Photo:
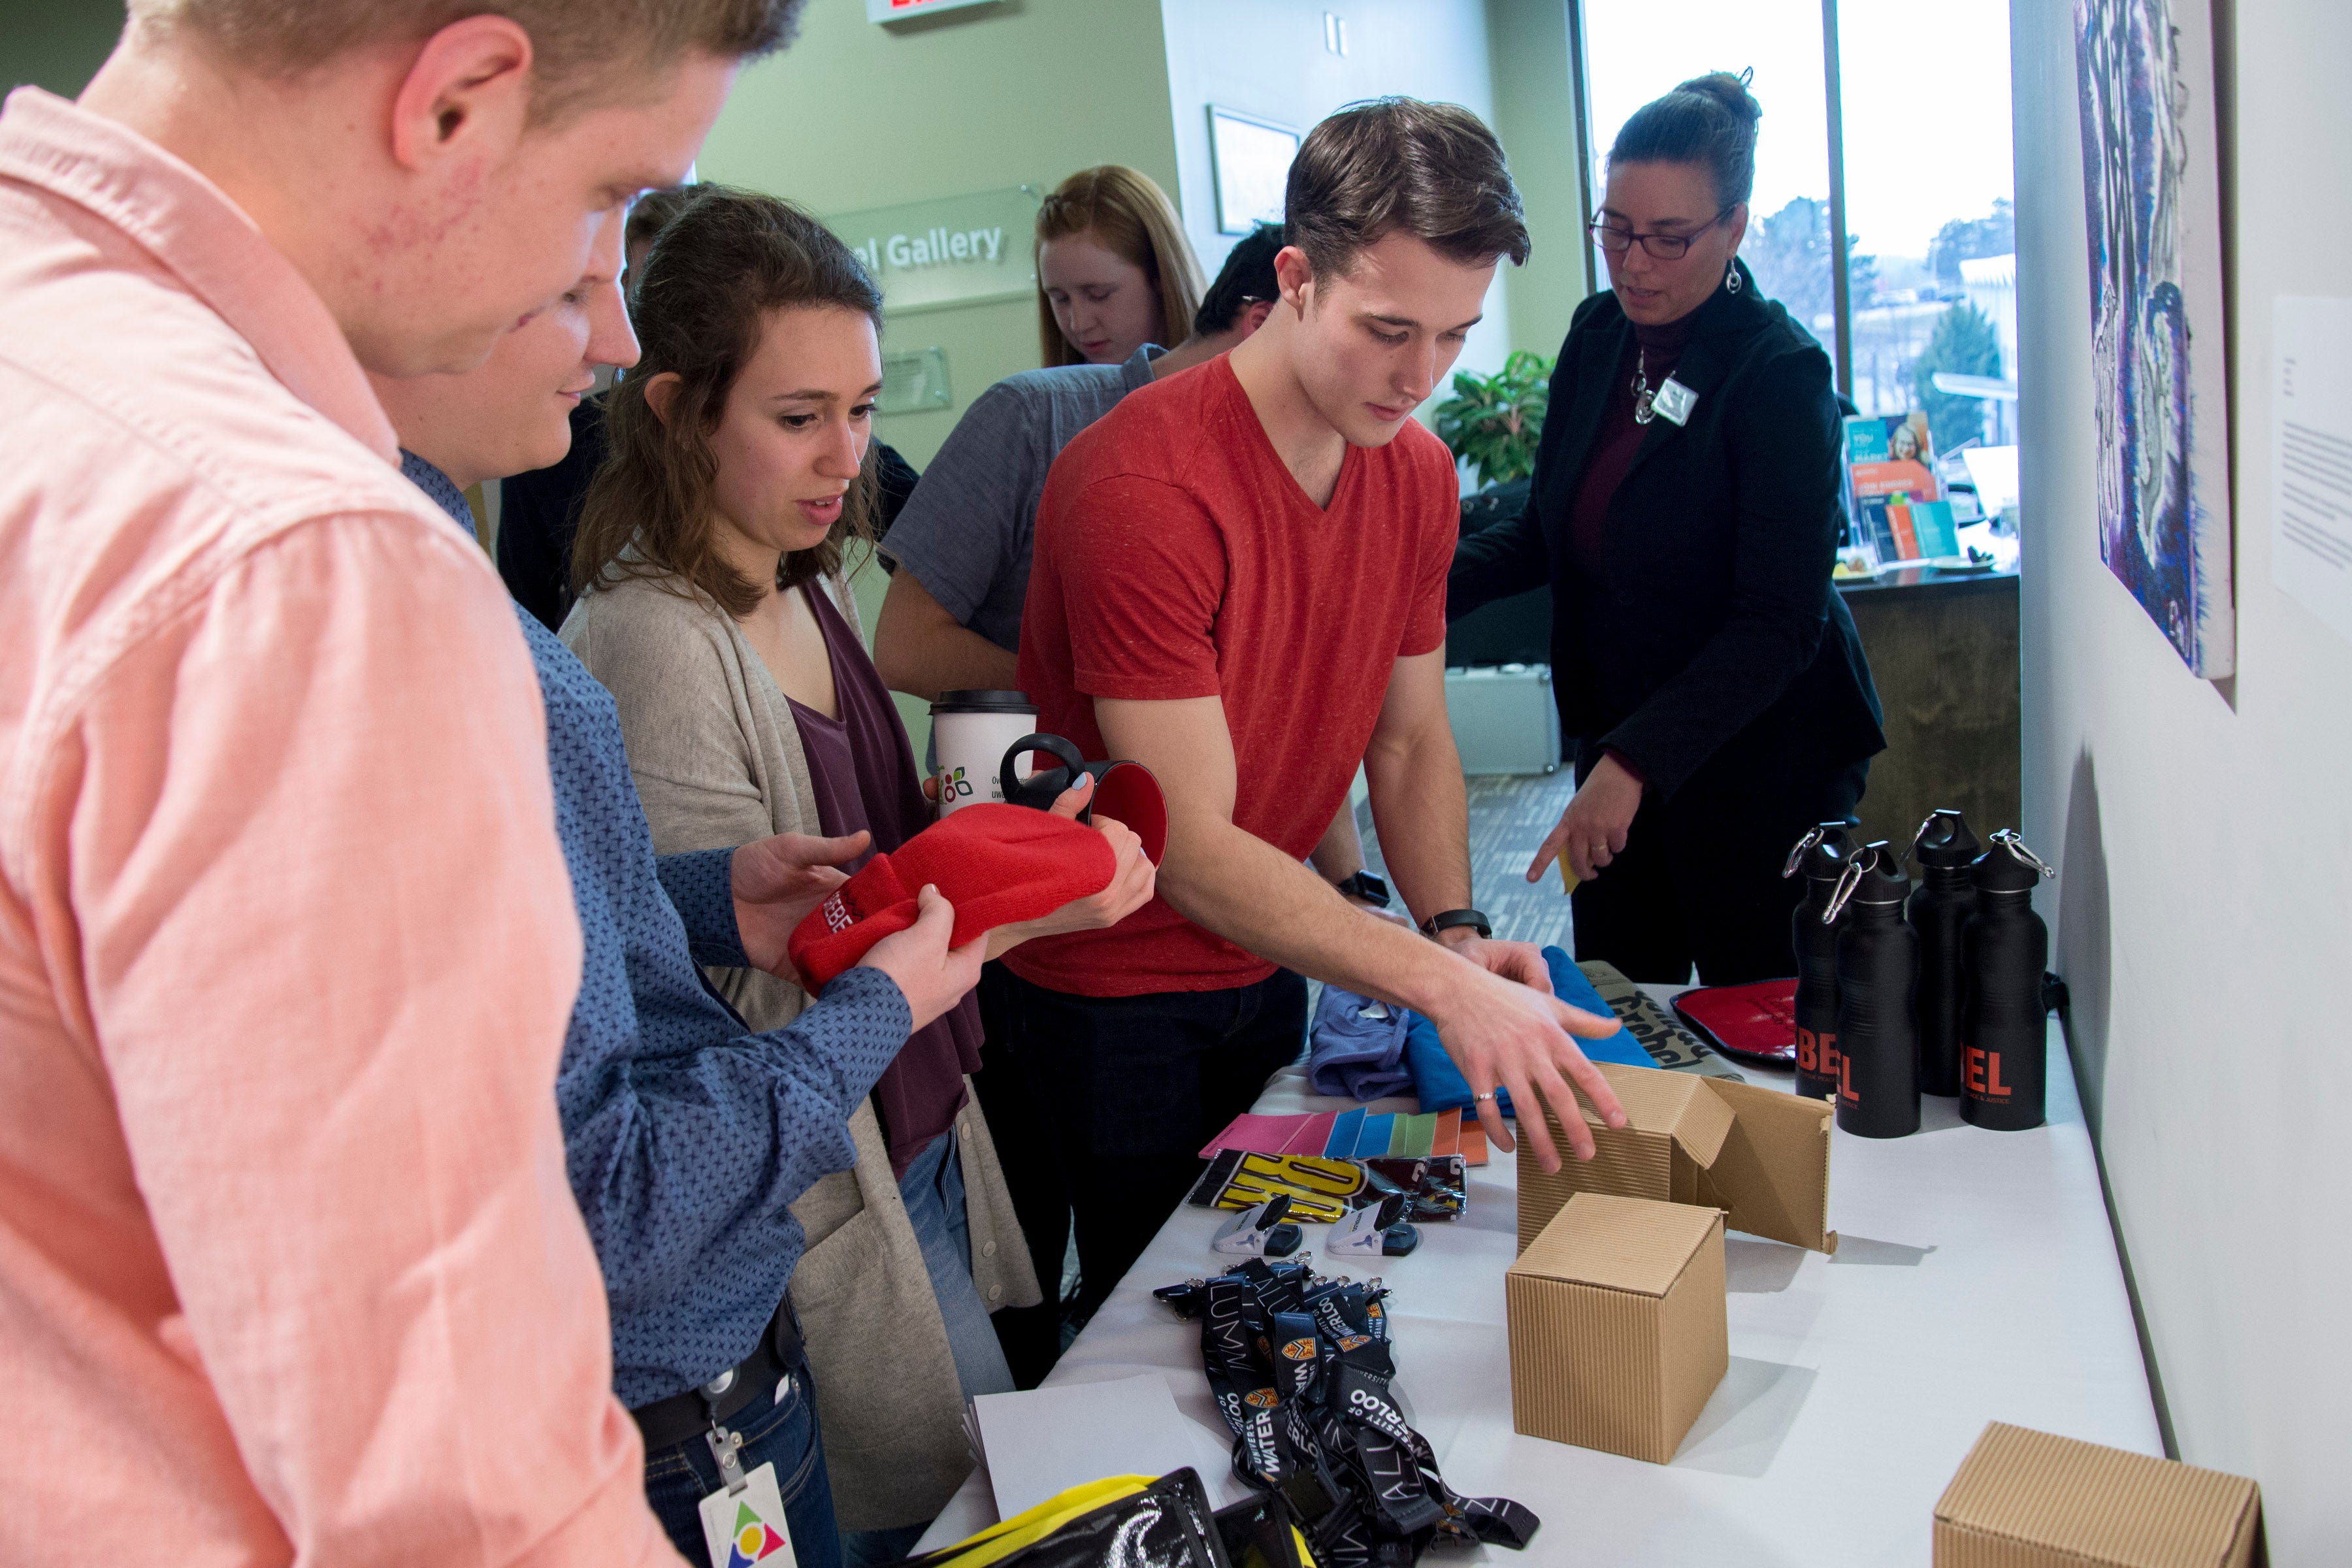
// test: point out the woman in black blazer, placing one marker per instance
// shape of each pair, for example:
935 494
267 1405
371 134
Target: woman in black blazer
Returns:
1686 511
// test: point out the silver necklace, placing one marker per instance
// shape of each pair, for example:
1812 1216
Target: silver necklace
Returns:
1643 397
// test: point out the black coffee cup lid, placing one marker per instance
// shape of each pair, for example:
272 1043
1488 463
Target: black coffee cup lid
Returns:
974 701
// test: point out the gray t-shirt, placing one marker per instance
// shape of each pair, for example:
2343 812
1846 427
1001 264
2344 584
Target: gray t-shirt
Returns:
965 533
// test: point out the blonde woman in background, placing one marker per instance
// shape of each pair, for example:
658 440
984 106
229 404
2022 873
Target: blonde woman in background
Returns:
1113 269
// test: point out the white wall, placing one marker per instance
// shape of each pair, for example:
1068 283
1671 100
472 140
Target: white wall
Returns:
1266 59
2203 916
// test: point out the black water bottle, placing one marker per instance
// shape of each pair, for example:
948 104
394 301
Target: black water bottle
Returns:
1878 977
1820 856
1945 849
2004 949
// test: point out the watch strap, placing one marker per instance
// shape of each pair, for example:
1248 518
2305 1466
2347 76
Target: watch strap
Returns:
1445 919
1365 885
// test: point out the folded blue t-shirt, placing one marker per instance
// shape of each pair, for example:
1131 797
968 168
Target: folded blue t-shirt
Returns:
1356 1047
1439 1082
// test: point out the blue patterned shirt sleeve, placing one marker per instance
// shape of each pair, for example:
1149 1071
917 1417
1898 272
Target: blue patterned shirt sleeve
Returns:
701 884
682 1159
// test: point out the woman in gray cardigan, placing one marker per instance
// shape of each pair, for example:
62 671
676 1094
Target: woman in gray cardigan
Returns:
713 605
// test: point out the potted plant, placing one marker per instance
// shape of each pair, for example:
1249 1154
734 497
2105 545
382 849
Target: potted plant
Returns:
1491 422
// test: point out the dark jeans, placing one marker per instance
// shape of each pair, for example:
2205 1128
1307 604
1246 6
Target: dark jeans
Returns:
1699 879
680 1477
1099 1106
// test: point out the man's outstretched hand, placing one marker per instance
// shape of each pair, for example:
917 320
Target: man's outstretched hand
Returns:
777 882
1504 1029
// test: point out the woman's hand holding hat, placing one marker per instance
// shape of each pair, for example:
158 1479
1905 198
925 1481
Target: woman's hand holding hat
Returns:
1130 887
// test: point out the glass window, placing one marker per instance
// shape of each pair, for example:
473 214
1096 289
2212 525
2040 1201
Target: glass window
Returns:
1635 50
1932 275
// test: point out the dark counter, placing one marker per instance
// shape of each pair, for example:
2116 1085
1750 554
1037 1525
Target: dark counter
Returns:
1943 648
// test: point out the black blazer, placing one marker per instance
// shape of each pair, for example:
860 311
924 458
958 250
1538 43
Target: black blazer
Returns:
1716 642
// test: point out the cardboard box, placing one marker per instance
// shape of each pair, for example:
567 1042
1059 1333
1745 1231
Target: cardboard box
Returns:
1759 1155
1617 1326
2024 1499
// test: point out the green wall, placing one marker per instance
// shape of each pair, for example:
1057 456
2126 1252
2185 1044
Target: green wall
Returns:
855 115
57 44
1535 116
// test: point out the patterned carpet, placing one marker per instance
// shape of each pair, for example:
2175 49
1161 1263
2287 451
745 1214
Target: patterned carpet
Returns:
1508 818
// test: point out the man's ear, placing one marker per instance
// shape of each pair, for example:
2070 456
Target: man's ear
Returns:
467 91
1251 318
661 394
1295 277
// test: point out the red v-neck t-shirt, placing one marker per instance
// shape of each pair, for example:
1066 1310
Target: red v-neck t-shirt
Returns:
1176 557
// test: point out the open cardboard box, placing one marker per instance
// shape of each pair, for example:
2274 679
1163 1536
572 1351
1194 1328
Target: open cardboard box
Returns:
1759 1155
2024 1499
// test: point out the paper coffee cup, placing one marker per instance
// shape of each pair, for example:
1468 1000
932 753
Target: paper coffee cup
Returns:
971 731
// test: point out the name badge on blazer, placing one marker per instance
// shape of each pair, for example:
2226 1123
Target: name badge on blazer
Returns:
1673 402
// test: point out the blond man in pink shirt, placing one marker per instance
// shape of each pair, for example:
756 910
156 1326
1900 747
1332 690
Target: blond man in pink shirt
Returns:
289 1271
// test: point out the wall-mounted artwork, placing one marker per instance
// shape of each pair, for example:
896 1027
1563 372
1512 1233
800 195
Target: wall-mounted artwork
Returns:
2159 388
1252 162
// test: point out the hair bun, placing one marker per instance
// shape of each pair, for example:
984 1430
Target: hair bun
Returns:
1730 92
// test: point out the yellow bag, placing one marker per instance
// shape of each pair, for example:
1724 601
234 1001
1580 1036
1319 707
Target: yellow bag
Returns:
1123 1520
1000 1540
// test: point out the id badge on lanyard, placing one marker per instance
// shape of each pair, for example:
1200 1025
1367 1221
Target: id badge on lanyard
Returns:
743 1522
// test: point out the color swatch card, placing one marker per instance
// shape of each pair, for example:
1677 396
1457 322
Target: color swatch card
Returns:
1354 1135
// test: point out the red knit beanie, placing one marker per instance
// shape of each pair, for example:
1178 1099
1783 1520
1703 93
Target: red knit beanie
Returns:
996 864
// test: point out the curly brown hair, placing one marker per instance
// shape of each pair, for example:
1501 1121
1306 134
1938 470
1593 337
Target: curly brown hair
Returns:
715 275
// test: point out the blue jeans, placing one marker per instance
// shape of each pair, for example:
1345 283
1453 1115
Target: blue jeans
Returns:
932 1189
785 1433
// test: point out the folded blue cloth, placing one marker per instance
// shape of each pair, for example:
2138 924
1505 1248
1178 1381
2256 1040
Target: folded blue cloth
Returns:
1439 1082
1356 1047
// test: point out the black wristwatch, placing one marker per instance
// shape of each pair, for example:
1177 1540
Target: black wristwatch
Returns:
1447 918
1365 885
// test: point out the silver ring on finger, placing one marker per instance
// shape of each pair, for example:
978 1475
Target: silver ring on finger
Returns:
1488 1095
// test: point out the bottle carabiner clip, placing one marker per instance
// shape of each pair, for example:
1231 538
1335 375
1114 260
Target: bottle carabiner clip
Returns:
1848 880
2008 839
1795 857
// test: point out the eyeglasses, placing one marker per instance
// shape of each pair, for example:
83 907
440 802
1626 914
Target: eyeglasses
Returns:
1617 240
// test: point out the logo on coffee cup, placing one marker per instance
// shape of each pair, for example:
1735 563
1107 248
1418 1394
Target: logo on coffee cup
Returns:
953 787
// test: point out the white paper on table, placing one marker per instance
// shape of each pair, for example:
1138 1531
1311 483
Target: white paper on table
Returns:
1042 1441
2311 456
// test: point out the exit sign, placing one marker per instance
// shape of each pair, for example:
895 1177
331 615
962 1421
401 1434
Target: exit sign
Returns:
899 10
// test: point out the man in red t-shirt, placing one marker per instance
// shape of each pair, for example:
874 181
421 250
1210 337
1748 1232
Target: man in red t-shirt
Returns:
1239 580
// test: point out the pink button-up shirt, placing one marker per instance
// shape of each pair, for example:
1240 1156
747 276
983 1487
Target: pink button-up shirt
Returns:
288 1267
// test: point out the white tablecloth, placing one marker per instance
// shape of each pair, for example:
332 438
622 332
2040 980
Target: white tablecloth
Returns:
1976 1279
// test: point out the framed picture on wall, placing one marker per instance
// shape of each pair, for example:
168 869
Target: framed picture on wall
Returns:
2158 382
1251 161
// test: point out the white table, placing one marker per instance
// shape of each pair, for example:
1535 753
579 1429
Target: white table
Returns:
1976 1279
